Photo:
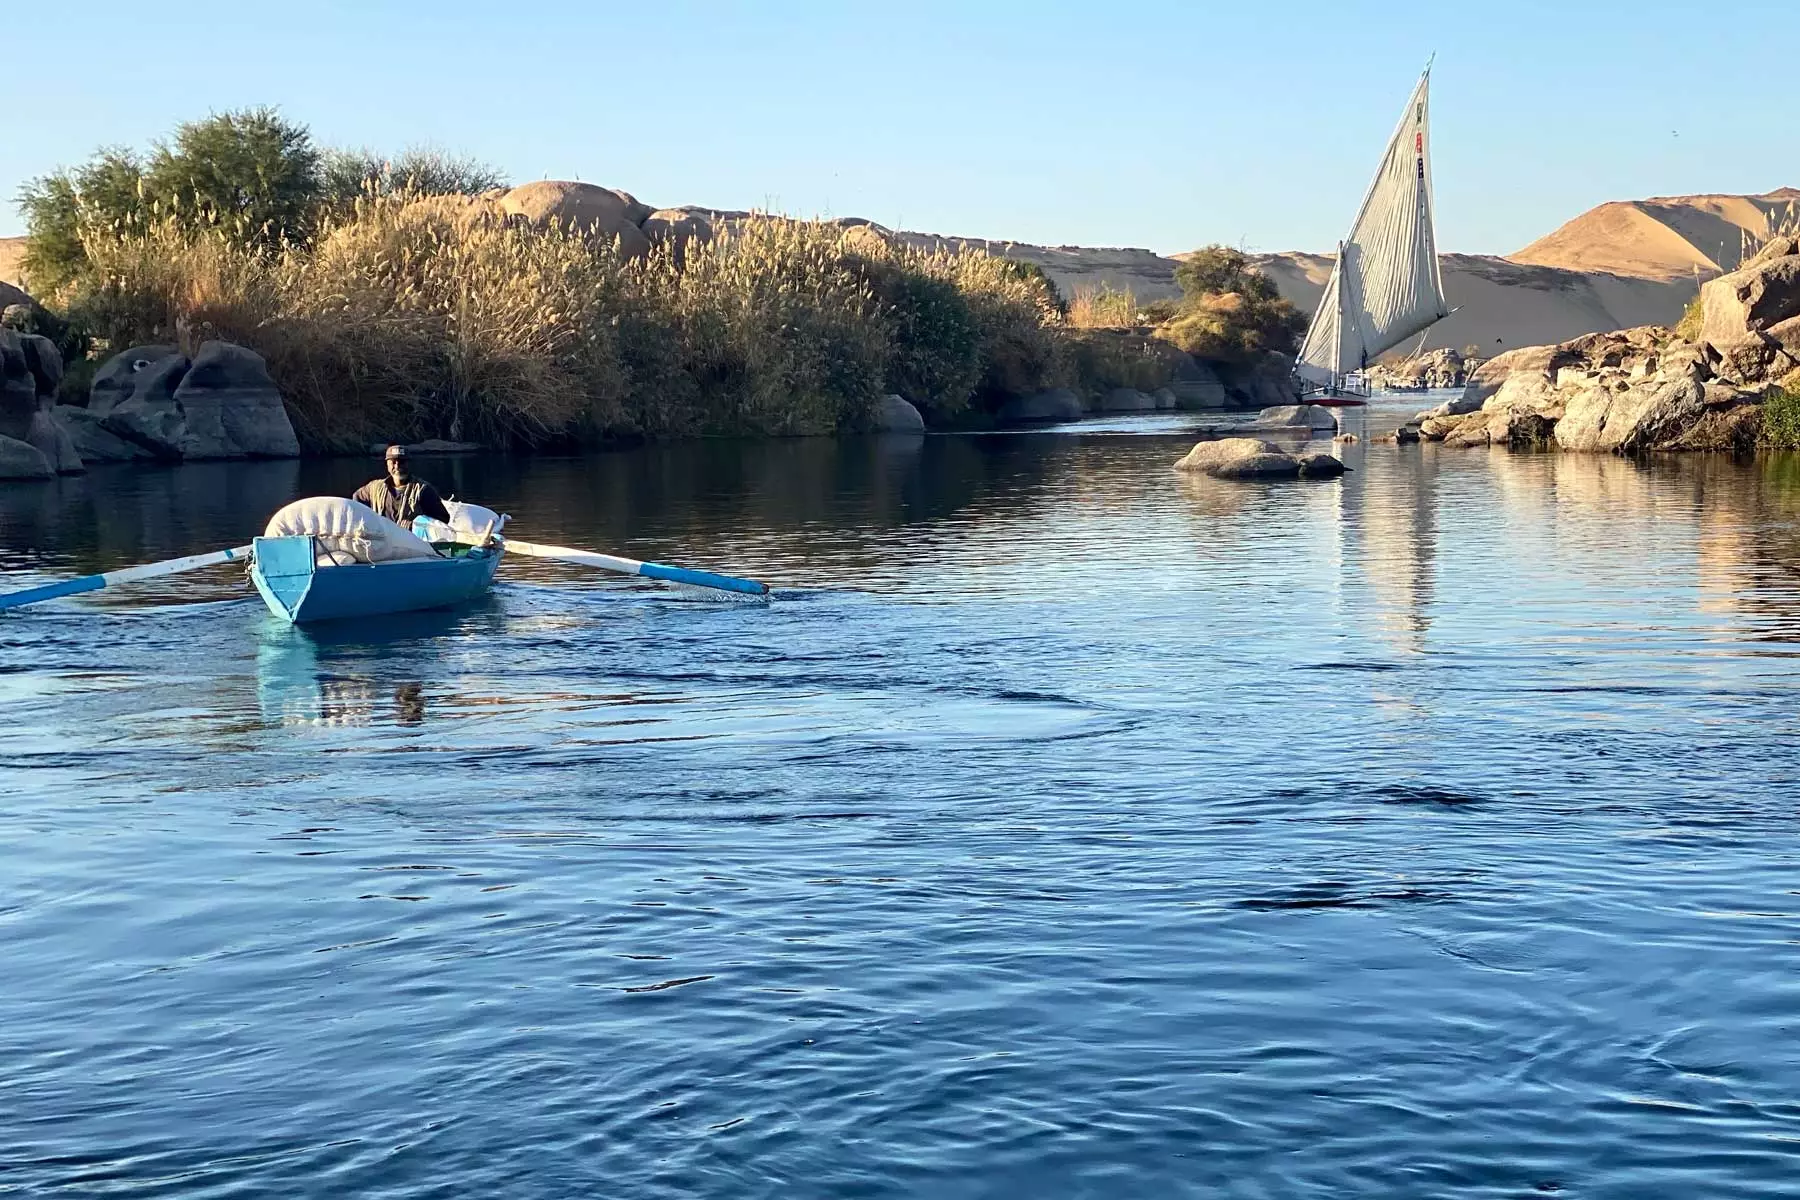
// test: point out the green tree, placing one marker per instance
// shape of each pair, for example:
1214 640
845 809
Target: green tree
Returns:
251 173
1216 270
348 175
1229 310
105 192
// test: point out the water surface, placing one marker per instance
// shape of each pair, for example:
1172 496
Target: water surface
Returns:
1066 827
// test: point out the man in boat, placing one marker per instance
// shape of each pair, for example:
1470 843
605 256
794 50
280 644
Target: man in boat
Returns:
401 496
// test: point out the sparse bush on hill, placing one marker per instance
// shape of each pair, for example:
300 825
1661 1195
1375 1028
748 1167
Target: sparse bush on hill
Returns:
1692 318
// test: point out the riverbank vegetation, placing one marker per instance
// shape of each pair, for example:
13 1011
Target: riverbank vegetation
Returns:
393 299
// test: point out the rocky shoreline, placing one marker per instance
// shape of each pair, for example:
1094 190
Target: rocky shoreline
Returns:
1702 385
153 403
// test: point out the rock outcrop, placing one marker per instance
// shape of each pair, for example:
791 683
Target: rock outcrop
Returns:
21 460
31 370
895 414
1649 388
1436 369
117 376
1054 406
1253 458
221 404
584 208
1311 418
1764 292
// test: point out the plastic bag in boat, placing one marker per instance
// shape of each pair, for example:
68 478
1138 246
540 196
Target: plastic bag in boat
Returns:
472 518
341 527
468 524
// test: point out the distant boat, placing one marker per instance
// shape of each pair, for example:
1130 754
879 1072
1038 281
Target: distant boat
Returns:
1385 285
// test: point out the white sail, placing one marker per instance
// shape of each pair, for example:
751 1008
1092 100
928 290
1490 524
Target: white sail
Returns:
1385 286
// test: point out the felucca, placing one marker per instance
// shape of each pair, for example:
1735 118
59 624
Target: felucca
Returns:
1385 285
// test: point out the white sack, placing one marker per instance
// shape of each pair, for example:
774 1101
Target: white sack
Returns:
345 525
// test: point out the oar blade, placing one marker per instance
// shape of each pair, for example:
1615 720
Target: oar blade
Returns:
704 579
51 591
93 583
684 577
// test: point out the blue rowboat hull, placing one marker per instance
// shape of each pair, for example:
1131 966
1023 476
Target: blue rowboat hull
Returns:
297 590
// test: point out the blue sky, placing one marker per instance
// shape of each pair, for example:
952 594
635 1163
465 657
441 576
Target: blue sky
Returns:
1166 125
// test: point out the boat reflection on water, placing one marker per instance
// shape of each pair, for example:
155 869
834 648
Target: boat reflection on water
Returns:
351 673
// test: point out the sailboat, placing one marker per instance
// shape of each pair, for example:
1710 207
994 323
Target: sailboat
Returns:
1385 285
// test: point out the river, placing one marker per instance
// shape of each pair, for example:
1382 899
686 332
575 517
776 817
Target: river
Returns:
1066 827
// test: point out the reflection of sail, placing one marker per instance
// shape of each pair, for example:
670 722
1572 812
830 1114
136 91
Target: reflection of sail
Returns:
1399 532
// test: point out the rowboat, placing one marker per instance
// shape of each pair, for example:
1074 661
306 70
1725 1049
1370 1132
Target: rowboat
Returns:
328 559
288 575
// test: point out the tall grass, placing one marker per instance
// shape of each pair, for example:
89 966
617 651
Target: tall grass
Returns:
437 317
1104 307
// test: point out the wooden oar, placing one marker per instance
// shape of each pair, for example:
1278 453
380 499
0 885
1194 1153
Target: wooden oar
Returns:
649 570
93 583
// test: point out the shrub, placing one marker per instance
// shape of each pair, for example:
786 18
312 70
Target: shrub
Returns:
1692 317
1104 307
1113 358
347 176
1229 311
1781 414
416 316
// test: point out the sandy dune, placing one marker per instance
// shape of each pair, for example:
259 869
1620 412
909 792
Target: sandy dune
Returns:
1665 237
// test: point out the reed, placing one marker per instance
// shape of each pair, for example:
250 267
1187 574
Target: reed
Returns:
409 316
1104 307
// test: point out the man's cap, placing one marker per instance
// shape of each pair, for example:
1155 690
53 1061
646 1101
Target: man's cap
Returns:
396 452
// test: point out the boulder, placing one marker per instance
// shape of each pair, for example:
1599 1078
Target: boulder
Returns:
895 414
1165 398
1731 422
18 387
1752 359
92 440
1750 299
1320 466
1436 429
53 441
1786 334
1486 379
1241 458
22 460
1637 418
1464 403
1775 247
45 362
636 211
1519 428
117 376
232 407
221 405
1267 383
677 227
1309 417
584 208
1053 407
